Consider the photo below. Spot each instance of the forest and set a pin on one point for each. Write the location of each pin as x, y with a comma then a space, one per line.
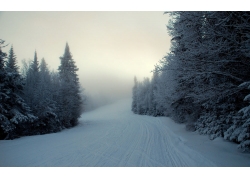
36, 100
204, 80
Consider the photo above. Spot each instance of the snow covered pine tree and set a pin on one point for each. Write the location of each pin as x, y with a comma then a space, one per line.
208, 62
70, 102
15, 116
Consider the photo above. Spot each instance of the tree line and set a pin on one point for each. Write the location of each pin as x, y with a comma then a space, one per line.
37, 101
204, 81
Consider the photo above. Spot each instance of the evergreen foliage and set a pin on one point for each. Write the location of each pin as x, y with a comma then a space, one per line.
12, 63
38, 101
134, 98
69, 91
16, 118
204, 80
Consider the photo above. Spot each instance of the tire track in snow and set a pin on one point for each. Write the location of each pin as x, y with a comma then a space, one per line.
135, 138
150, 146
181, 155
110, 136
161, 147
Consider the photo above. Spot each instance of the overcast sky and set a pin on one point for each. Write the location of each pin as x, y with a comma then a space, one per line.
109, 48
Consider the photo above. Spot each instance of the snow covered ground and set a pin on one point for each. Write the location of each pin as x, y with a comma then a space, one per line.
113, 136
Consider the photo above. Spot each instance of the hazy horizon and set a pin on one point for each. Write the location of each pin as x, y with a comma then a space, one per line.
109, 48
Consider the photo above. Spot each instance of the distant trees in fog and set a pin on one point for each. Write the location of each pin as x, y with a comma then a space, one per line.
37, 101
204, 81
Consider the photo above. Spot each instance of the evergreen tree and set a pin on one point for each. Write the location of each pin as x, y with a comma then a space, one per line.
31, 92
5, 125
239, 131
166, 92
16, 118
11, 63
208, 63
187, 51
207, 46
142, 97
153, 91
40, 94
226, 34
35, 64
46, 107
134, 98
69, 93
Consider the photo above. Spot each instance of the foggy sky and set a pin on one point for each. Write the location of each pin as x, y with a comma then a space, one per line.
109, 48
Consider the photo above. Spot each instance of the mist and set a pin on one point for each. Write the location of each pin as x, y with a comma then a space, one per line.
109, 48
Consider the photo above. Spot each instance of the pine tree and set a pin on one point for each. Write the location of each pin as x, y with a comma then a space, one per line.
40, 92
142, 97
153, 91
16, 118
46, 107
239, 131
207, 47
11, 63
5, 125
227, 59
134, 98
70, 99
187, 52
31, 93
204, 80
35, 63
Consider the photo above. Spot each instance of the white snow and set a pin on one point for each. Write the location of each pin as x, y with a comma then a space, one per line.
113, 136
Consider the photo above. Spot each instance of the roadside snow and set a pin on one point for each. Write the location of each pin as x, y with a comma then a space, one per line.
113, 136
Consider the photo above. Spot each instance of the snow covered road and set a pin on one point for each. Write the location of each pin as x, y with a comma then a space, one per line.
113, 136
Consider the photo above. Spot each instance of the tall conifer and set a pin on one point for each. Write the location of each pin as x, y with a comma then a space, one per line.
15, 116
70, 99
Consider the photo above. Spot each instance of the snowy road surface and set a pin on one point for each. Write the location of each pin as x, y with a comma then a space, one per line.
114, 136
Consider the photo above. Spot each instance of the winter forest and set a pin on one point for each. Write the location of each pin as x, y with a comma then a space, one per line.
37, 101
204, 80
201, 86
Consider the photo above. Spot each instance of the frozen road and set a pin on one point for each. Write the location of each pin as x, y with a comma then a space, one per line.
111, 136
